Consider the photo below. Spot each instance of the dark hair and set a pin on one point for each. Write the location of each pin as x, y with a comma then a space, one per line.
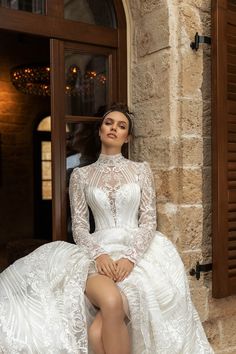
122, 108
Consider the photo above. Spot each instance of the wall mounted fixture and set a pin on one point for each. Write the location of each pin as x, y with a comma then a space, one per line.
198, 40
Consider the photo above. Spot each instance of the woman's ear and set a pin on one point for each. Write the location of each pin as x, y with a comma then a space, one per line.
127, 140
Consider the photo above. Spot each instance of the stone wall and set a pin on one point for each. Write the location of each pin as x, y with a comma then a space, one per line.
171, 97
18, 113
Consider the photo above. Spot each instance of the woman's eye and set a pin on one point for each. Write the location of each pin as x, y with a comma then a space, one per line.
107, 123
122, 126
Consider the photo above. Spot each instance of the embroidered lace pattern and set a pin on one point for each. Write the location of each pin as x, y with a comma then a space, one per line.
110, 175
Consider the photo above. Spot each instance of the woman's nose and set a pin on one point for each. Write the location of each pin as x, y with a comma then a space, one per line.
113, 127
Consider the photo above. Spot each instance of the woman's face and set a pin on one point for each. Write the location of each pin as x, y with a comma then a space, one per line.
114, 131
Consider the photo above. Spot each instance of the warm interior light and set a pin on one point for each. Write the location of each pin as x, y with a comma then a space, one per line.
35, 80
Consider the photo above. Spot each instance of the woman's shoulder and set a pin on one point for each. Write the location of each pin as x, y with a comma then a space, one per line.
139, 164
81, 172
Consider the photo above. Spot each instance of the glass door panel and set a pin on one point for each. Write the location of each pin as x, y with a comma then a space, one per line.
34, 6
87, 83
84, 83
82, 148
100, 12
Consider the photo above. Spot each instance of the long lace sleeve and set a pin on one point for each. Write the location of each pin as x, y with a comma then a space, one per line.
80, 217
147, 216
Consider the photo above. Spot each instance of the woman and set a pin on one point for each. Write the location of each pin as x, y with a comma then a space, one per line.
123, 290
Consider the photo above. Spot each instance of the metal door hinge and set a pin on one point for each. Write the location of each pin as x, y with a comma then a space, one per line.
198, 40
200, 268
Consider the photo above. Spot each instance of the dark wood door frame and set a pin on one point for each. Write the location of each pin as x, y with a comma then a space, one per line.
59, 120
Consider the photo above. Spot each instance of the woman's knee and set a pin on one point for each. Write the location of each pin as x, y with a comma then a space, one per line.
112, 306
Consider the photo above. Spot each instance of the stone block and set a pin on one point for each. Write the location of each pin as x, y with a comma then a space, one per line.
207, 222
191, 73
152, 119
191, 186
189, 257
167, 185
192, 151
148, 6
154, 150
222, 308
207, 185
151, 80
190, 221
213, 332
207, 118
190, 20
207, 151
166, 220
206, 82
191, 116
200, 296
152, 32
203, 5
228, 331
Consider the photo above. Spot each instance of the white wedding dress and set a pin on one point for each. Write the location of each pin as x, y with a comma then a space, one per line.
43, 309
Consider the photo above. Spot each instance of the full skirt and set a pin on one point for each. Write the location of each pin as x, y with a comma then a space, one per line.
43, 308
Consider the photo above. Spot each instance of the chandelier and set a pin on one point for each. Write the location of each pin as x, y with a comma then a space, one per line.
35, 80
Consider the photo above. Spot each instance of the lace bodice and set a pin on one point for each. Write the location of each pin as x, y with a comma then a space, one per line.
121, 196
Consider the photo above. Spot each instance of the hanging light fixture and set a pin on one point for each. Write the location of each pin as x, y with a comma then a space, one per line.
32, 79
35, 80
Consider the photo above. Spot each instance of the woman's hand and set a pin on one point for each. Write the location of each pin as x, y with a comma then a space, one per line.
123, 268
106, 266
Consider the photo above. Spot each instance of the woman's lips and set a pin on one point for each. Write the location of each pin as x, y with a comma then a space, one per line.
111, 135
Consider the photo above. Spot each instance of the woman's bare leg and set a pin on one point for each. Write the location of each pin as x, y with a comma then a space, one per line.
103, 293
95, 335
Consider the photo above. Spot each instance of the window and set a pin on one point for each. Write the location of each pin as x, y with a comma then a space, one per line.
35, 6
46, 157
91, 11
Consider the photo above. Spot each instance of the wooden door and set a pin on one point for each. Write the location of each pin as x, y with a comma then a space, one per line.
224, 146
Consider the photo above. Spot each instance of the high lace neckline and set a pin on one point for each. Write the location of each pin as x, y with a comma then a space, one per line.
110, 159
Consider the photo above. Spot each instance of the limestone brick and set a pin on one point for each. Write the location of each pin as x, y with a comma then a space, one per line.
207, 223
152, 119
190, 19
148, 6
150, 80
207, 153
206, 118
167, 185
213, 332
191, 72
152, 149
192, 151
219, 308
191, 186
166, 220
190, 221
200, 296
207, 185
191, 116
190, 257
152, 32
203, 5
228, 331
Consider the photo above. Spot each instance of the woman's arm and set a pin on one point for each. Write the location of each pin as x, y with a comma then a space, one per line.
147, 217
80, 217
